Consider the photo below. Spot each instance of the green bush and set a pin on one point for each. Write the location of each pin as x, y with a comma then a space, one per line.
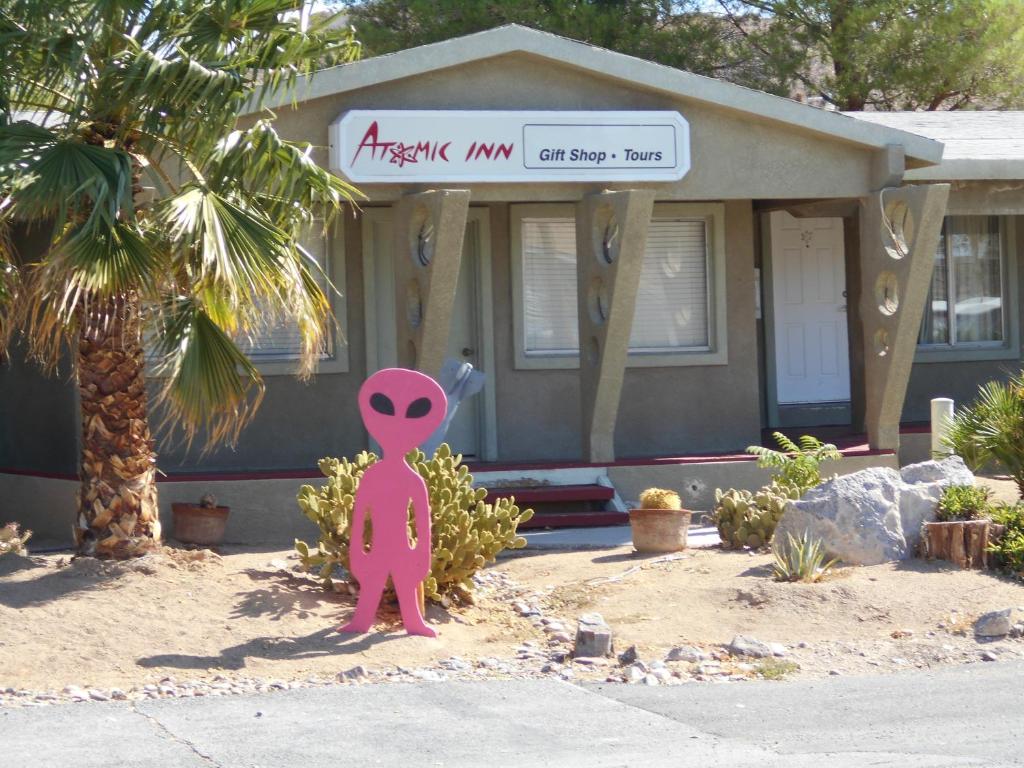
466, 532
797, 464
800, 559
963, 502
12, 541
991, 429
1008, 550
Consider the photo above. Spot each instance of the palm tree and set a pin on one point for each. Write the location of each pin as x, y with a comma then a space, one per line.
96, 98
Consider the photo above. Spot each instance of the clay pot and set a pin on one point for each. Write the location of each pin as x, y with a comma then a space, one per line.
199, 525
659, 530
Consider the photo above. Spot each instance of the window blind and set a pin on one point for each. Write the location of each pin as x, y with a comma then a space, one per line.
284, 341
672, 306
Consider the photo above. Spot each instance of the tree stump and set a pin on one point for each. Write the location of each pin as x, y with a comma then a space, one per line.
962, 542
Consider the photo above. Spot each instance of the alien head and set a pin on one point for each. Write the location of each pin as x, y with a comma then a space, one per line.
401, 408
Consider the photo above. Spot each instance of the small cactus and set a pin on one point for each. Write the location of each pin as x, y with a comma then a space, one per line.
12, 542
659, 498
746, 519
208, 501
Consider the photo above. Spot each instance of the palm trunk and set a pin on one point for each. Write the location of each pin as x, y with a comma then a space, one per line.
117, 510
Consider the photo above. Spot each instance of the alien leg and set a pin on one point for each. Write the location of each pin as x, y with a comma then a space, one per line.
409, 605
371, 589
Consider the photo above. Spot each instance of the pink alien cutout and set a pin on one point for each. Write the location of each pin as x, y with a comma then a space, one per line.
401, 409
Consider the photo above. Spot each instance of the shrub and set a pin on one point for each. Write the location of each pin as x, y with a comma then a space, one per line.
963, 502
1008, 550
466, 532
800, 559
746, 519
797, 464
11, 541
991, 429
657, 498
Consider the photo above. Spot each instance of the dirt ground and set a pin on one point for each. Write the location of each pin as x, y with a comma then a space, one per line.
186, 616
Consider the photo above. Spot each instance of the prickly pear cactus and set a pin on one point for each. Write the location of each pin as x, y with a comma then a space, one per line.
466, 532
659, 498
746, 519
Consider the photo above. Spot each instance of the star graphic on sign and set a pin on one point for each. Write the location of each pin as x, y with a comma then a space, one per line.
403, 153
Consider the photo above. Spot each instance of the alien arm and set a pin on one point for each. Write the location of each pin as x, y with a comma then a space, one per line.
421, 512
357, 547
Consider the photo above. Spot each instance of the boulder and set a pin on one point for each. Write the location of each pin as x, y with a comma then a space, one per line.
875, 515
742, 645
994, 624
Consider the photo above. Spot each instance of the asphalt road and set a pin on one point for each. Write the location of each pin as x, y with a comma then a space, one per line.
963, 716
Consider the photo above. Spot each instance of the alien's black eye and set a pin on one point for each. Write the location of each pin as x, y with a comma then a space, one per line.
381, 403
418, 408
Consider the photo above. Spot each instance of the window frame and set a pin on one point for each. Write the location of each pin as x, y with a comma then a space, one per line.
716, 353
1006, 349
338, 359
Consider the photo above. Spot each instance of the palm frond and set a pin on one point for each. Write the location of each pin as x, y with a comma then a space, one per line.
209, 386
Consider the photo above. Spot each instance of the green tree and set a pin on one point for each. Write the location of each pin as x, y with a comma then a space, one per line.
678, 33
892, 54
97, 97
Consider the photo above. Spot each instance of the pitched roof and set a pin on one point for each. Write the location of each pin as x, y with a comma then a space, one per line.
638, 72
979, 145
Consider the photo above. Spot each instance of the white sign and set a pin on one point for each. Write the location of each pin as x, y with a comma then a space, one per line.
393, 146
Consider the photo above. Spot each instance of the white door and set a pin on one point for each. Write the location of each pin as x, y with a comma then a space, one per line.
812, 356
464, 434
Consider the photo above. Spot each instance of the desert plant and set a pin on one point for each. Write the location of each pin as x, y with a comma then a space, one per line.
12, 541
1008, 549
208, 501
658, 498
748, 519
797, 464
991, 429
466, 531
963, 502
800, 559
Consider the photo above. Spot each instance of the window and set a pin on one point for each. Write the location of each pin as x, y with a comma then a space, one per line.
966, 301
677, 309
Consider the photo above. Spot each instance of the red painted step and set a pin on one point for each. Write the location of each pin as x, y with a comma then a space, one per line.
576, 519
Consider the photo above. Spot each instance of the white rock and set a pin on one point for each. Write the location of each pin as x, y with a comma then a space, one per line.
875, 515
593, 636
778, 649
686, 653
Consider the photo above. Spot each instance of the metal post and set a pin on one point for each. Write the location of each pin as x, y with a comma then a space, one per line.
942, 418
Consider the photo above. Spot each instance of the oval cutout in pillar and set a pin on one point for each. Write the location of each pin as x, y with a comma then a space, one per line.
606, 236
900, 223
413, 304
421, 247
597, 301
881, 339
887, 293
593, 351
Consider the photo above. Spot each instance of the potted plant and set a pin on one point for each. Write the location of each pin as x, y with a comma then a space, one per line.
201, 523
963, 529
660, 524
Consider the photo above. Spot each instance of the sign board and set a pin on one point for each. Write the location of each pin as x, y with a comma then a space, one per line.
409, 146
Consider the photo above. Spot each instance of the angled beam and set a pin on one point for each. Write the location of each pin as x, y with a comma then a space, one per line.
429, 228
899, 230
611, 233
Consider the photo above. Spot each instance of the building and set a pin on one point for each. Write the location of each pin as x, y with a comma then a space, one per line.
732, 261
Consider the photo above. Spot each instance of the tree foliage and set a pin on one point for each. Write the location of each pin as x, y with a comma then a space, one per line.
855, 54
97, 98
893, 54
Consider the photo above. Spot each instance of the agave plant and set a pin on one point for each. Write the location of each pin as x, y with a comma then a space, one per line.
97, 99
800, 559
991, 429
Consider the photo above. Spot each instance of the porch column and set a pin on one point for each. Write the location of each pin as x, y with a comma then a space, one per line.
429, 228
899, 230
611, 232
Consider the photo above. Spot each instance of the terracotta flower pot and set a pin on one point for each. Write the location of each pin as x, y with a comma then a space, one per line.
659, 530
194, 524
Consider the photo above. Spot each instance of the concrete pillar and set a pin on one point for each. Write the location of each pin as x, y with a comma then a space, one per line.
611, 233
429, 228
941, 421
899, 230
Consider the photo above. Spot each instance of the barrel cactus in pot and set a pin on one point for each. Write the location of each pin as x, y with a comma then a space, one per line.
660, 524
